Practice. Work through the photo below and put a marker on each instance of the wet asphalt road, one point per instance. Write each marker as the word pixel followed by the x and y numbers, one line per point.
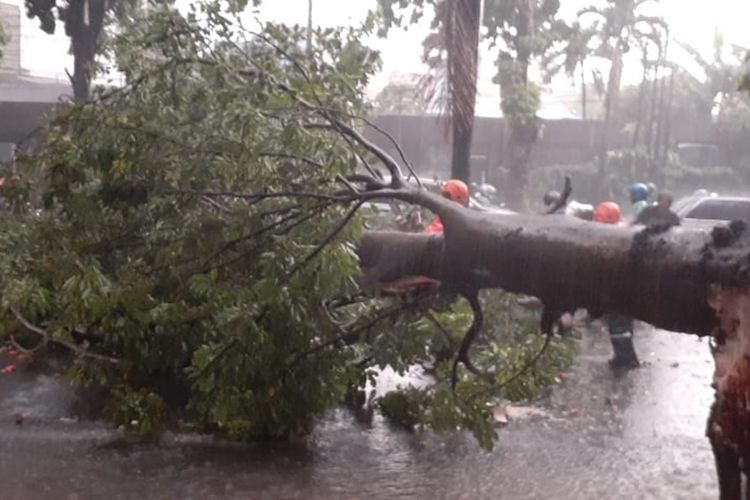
pixel 600 435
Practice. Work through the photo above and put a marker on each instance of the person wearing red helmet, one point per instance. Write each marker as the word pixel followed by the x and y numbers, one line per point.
pixel 607 213
pixel 620 327
pixel 454 190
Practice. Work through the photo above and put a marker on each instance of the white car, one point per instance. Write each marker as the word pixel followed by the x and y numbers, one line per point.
pixel 713 208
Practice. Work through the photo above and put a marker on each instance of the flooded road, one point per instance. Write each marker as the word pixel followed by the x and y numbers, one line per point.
pixel 600 435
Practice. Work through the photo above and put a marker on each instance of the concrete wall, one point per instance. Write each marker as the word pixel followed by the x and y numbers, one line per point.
pixel 10 17
pixel 426 142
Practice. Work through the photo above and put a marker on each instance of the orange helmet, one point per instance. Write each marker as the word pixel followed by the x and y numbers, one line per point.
pixel 607 212
pixel 457 191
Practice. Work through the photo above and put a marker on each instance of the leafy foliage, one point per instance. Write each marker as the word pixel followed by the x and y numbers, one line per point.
pixel 185 237
pixel 720 97
pixel 400 99
pixel 505 350
pixel 124 245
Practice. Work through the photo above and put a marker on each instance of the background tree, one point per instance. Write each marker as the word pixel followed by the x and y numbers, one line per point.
pixel 400 99
pixel 719 98
pixel 451 51
pixel 618 25
pixel 523 31
pixel 190 238
pixel 83 21
pixel 571 56
pixel 199 226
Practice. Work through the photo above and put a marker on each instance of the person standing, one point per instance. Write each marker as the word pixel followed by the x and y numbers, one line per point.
pixel 620 327
pixel 638 193
pixel 454 190
pixel 659 214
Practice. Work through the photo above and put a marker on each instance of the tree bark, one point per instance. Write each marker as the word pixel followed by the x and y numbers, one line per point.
pixel 462 56
pixel 610 98
pixel 660 278
pixel 668 119
pixel 584 98
pixel 84 27
pixel 523 135
pixel 641 98
pixel 680 279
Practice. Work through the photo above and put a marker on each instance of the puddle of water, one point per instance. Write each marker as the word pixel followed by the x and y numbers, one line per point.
pixel 637 434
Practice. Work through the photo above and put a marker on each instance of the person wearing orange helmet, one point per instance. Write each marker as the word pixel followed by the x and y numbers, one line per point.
pixel 454 190
pixel 607 213
pixel 620 327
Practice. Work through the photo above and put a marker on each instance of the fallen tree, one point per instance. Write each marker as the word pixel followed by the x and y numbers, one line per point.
pixel 210 254
pixel 680 279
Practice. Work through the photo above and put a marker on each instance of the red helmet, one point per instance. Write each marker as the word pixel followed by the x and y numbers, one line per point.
pixel 607 212
pixel 457 191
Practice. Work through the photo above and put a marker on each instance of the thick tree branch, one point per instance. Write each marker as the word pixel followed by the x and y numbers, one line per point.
pixel 663 278
pixel 327 240
pixel 463 350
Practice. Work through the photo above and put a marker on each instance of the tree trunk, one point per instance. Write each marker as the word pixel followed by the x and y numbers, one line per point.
pixel 685 280
pixel 522 139
pixel 462 55
pixel 659 278
pixel 84 27
pixel 641 97
pixel 652 114
pixel 657 171
pixel 584 100
pixel 524 126
pixel 668 119
pixel 610 98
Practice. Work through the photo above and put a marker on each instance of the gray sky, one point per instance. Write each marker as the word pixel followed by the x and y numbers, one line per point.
pixel 692 21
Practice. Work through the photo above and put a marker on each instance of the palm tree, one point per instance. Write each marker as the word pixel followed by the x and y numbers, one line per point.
pixel 571 57
pixel 451 51
pixel 462 48
pixel 617 25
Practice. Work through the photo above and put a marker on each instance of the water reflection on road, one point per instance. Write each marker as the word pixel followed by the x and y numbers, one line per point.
pixel 638 435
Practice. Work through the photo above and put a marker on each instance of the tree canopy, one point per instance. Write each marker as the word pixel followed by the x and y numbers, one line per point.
pixel 190 238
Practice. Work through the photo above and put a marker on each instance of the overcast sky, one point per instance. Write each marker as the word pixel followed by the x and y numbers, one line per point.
pixel 692 21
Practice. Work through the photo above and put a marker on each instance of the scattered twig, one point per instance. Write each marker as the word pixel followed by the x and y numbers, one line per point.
pixel 350 336
pixel 259 196
pixel 328 239
pixel 529 364
pixel 432 319
pixel 69 345
pixel 351 187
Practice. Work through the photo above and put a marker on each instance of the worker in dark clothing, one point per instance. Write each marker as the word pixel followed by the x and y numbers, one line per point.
pixel 660 214
pixel 620 327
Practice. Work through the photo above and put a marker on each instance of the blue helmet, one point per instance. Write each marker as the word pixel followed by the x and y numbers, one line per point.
pixel 638 191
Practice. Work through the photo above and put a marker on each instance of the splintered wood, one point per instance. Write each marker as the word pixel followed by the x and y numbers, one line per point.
pixel 731 351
